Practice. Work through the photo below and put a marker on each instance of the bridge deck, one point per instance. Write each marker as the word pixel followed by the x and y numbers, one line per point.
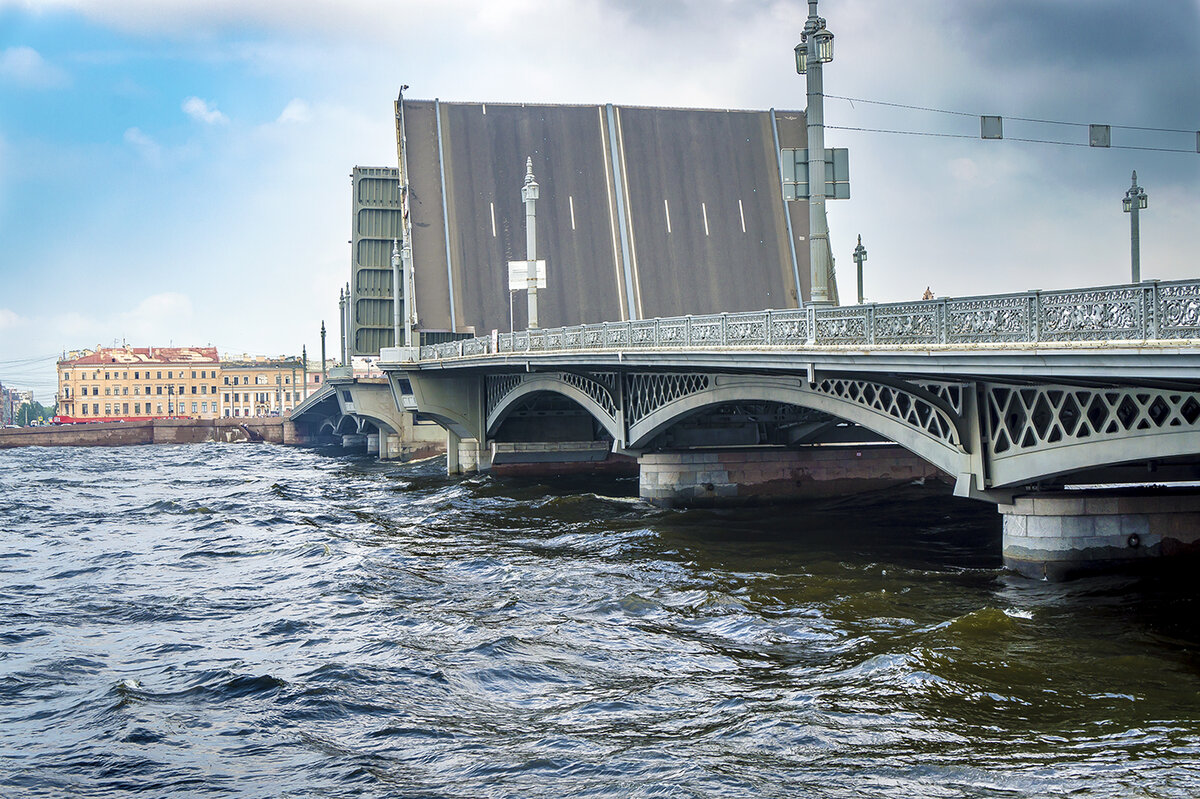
pixel 643 211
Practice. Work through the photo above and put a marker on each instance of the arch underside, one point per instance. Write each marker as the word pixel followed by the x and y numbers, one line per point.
pixel 941 448
pixel 605 413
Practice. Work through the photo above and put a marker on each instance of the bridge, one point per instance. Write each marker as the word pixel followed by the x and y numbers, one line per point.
pixel 1040 402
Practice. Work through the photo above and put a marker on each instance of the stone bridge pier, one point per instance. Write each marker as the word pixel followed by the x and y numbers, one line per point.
pixel 1056 535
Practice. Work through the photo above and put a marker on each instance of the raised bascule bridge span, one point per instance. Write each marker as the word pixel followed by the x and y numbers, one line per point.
pixel 1029 400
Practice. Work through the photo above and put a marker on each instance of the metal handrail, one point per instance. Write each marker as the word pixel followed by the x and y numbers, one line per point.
pixel 1147 311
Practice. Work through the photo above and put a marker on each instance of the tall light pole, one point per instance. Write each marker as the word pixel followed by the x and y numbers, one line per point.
pixel 860 255
pixel 815 49
pixel 529 193
pixel 342 324
pixel 396 285
pixel 304 356
pixel 324 376
pixel 1135 200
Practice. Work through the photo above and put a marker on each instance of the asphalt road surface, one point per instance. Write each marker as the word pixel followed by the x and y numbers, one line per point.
pixel 698 192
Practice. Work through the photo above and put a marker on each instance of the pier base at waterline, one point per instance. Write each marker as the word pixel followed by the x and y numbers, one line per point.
pixel 1063 534
pixel 761 474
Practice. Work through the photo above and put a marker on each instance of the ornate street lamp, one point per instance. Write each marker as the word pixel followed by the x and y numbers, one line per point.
pixel 860 255
pixel 815 49
pixel 1135 200
pixel 822 41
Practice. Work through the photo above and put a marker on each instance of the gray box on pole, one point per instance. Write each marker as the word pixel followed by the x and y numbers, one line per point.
pixel 794 169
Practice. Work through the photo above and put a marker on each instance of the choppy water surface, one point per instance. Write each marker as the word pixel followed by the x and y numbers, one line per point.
pixel 223 620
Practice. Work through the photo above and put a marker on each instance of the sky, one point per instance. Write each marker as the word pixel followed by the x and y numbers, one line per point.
pixel 177 173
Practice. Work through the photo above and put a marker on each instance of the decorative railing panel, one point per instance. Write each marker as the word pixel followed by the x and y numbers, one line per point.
pixel 980 320
pixel 914 323
pixel 788 328
pixel 1177 312
pixel 1092 315
pixel 1138 312
pixel 849 325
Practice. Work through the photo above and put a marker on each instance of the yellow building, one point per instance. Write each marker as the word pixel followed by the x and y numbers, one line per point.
pixel 258 386
pixel 138 383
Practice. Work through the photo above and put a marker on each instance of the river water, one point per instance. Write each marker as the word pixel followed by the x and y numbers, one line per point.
pixel 259 621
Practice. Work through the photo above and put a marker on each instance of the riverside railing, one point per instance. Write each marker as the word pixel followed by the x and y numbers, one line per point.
pixel 1152 310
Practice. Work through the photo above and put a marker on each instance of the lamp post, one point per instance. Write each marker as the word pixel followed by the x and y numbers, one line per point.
pixel 347 343
pixel 1135 200
pixel 815 49
pixel 396 284
pixel 860 255
pixel 342 324
pixel 324 376
pixel 529 193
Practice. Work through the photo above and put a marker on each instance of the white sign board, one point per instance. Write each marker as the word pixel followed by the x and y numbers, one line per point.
pixel 518 275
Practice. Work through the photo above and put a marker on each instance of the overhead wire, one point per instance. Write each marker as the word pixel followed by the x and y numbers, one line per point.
pixel 933 134
pixel 1019 119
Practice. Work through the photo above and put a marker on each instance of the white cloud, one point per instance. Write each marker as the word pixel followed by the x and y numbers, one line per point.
pixel 295 111
pixel 24 66
pixel 200 111
pixel 146 146
pixel 158 308
pixel 8 318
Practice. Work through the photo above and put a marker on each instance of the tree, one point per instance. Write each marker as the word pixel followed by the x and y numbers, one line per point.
pixel 30 412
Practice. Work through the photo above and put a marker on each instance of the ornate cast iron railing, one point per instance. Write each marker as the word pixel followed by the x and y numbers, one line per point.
pixel 1147 311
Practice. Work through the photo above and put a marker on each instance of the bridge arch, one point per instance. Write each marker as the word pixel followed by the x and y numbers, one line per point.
pixel 345 425
pixel 592 395
pixel 908 415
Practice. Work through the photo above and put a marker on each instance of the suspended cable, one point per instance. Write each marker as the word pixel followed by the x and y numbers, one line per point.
pixel 1019 119
pixel 1006 138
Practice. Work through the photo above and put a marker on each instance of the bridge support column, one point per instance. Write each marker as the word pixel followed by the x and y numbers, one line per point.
pixel 372 443
pixel 1059 535
pixel 726 476
pixel 354 440
pixel 390 447
pixel 466 455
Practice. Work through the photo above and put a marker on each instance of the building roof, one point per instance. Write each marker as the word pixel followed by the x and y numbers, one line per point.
pixel 140 355
pixel 261 362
